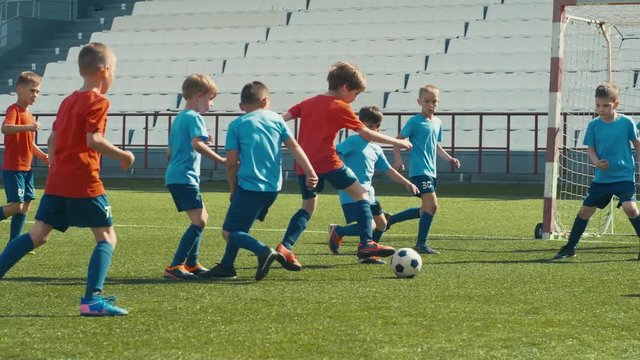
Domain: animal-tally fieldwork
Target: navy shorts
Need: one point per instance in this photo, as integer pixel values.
(425, 183)
(61, 212)
(339, 179)
(186, 196)
(352, 210)
(599, 194)
(247, 206)
(18, 186)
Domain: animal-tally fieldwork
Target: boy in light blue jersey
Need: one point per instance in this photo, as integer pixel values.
(254, 171)
(607, 138)
(424, 130)
(188, 141)
(364, 158)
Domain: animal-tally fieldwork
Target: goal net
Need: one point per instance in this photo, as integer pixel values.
(596, 43)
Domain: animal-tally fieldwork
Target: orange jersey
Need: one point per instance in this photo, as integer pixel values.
(75, 171)
(17, 147)
(321, 117)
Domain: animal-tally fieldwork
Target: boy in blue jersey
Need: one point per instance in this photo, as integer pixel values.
(254, 171)
(364, 158)
(424, 130)
(607, 138)
(188, 141)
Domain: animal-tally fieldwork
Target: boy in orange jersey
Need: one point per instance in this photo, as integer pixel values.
(74, 194)
(19, 147)
(321, 117)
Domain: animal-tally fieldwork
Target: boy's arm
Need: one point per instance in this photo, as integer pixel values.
(445, 155)
(302, 160)
(51, 146)
(39, 153)
(595, 159)
(200, 146)
(394, 175)
(98, 143)
(636, 150)
(14, 129)
(371, 135)
(232, 170)
(287, 116)
(398, 164)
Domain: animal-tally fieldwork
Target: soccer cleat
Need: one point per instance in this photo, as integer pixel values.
(101, 306)
(31, 252)
(196, 270)
(565, 252)
(372, 248)
(375, 260)
(287, 259)
(424, 249)
(219, 272)
(386, 217)
(335, 241)
(264, 262)
(178, 273)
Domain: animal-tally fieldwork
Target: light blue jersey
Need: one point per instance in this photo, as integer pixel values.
(611, 142)
(363, 158)
(258, 136)
(184, 164)
(424, 135)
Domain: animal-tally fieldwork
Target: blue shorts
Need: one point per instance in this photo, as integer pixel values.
(352, 210)
(61, 212)
(18, 185)
(425, 183)
(599, 194)
(186, 196)
(247, 206)
(339, 179)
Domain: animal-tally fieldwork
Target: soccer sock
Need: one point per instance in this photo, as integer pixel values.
(17, 225)
(2, 216)
(98, 268)
(404, 215)
(14, 251)
(349, 230)
(192, 258)
(243, 240)
(579, 225)
(364, 221)
(424, 226)
(297, 224)
(186, 244)
(229, 257)
(636, 224)
(377, 234)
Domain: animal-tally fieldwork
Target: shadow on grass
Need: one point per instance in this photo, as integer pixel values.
(531, 261)
(631, 295)
(33, 316)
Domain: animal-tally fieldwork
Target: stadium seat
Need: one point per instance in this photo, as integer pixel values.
(199, 6)
(199, 20)
(180, 36)
(505, 81)
(528, 27)
(489, 62)
(379, 16)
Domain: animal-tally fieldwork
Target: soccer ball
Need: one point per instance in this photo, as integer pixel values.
(406, 263)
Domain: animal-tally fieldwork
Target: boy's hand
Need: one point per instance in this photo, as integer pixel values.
(602, 164)
(405, 144)
(209, 141)
(35, 126)
(45, 159)
(398, 165)
(412, 188)
(455, 162)
(312, 181)
(127, 161)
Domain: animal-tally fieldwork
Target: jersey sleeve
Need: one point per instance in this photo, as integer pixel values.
(440, 131)
(295, 111)
(589, 136)
(382, 164)
(345, 147)
(407, 129)
(232, 142)
(346, 118)
(12, 116)
(633, 131)
(284, 129)
(97, 116)
(198, 128)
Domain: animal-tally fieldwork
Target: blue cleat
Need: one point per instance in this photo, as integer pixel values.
(424, 249)
(565, 252)
(101, 306)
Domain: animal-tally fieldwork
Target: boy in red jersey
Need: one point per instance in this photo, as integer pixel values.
(321, 117)
(74, 194)
(19, 147)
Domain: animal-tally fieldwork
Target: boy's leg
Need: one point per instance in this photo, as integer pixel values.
(578, 228)
(404, 215)
(187, 198)
(427, 212)
(631, 210)
(18, 220)
(22, 244)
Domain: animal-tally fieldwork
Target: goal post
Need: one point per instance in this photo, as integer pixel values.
(592, 42)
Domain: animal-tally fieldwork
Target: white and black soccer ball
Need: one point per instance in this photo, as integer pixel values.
(406, 263)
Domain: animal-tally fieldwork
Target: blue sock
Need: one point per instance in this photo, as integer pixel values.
(98, 268)
(423, 228)
(579, 225)
(297, 224)
(349, 230)
(2, 217)
(404, 215)
(229, 257)
(245, 241)
(377, 234)
(14, 251)
(636, 224)
(364, 221)
(186, 244)
(193, 257)
(17, 225)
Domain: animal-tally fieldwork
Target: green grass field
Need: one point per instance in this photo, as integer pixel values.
(491, 293)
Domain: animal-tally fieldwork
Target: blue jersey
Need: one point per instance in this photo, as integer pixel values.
(258, 136)
(364, 158)
(611, 142)
(184, 164)
(424, 135)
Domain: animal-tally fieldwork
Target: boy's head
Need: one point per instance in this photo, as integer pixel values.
(97, 62)
(371, 117)
(607, 100)
(254, 95)
(28, 87)
(346, 80)
(428, 99)
(199, 90)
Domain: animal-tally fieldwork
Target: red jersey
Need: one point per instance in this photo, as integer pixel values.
(321, 117)
(17, 147)
(75, 171)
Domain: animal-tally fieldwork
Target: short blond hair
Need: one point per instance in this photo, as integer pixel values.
(346, 73)
(429, 88)
(28, 77)
(608, 91)
(198, 83)
(94, 57)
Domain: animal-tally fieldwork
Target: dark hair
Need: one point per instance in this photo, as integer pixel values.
(344, 73)
(93, 57)
(607, 91)
(429, 88)
(28, 77)
(253, 92)
(370, 114)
